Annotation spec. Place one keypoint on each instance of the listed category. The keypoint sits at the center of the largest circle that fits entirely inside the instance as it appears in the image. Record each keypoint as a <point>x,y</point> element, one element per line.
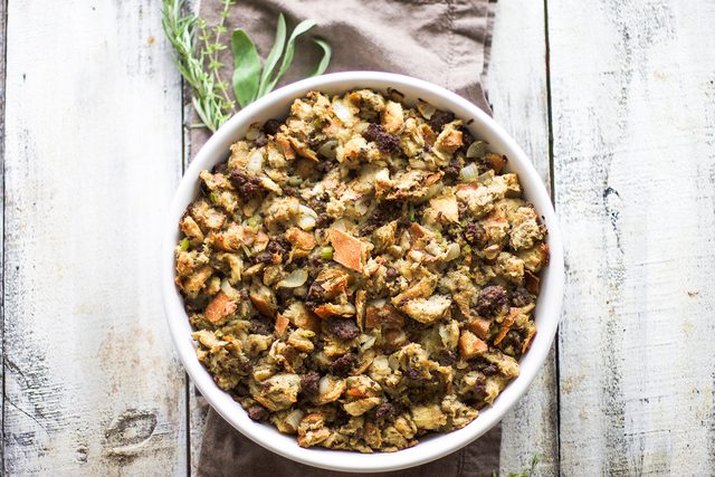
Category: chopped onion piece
<point>255,162</point>
<point>297,278</point>
<point>253,132</point>
<point>268,183</point>
<point>362,206</point>
<point>469,173</point>
<point>307,218</point>
<point>327,149</point>
<point>433,248</point>
<point>341,224</point>
<point>305,210</point>
<point>453,251</point>
<point>476,149</point>
<point>342,112</point>
<point>306,222</point>
<point>433,190</point>
<point>230,292</point>
<point>486,178</point>
<point>293,419</point>
<point>329,389</point>
<point>367,343</point>
<point>425,109</point>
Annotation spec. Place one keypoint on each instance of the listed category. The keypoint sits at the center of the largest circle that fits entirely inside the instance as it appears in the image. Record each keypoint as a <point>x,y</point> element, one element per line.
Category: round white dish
<point>547,313</point>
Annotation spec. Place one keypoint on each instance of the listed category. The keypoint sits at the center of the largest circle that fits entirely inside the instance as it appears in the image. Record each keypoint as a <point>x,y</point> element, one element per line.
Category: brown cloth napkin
<point>446,42</point>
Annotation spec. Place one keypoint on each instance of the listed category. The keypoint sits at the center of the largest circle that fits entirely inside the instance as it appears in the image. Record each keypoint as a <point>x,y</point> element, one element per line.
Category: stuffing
<point>220,308</point>
<point>277,392</point>
<point>348,250</point>
<point>361,273</point>
<point>427,310</point>
<point>207,217</point>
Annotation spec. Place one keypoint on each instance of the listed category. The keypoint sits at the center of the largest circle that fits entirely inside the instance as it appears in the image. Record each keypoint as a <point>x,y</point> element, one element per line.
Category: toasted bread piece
<point>349,251</point>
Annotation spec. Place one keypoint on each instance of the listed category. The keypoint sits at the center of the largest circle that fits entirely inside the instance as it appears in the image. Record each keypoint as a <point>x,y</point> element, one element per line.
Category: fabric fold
<point>443,41</point>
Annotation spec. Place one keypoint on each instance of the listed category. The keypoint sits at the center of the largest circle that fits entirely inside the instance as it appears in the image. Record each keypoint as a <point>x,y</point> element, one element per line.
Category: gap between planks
<point>3,62</point>
<point>552,190</point>
<point>518,89</point>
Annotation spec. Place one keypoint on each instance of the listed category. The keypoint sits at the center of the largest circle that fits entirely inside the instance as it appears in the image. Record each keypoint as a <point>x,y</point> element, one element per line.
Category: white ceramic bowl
<point>275,105</point>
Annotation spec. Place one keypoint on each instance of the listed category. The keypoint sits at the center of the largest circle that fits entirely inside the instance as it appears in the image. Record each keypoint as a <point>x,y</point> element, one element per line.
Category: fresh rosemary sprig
<point>197,49</point>
<point>210,48</point>
<point>180,29</point>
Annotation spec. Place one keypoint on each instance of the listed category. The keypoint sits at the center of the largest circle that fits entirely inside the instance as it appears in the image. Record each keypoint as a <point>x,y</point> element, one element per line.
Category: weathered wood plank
<point>3,36</point>
<point>517,90</point>
<point>634,152</point>
<point>197,405</point>
<point>198,410</point>
<point>93,150</point>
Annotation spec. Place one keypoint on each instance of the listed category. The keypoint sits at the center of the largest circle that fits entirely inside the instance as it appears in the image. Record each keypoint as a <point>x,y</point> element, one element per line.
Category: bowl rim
<point>547,313</point>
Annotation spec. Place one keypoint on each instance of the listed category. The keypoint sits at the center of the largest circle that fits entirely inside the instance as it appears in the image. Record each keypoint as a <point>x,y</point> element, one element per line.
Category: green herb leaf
<point>301,28</point>
<point>197,46</point>
<point>247,67</point>
<point>274,55</point>
<point>325,60</point>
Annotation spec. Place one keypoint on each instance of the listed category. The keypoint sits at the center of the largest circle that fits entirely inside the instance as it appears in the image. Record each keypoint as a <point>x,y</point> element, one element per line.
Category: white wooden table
<point>613,99</point>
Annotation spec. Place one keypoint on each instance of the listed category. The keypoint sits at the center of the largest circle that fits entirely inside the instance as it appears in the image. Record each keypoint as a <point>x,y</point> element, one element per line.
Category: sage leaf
<point>274,55</point>
<point>247,67</point>
<point>325,60</point>
<point>301,28</point>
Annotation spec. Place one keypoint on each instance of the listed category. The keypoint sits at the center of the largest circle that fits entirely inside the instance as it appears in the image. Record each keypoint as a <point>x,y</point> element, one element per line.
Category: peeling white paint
<point>93,151</point>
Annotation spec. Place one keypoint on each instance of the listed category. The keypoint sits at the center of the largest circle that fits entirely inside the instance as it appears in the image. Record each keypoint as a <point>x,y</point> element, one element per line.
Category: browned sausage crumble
<point>362,273</point>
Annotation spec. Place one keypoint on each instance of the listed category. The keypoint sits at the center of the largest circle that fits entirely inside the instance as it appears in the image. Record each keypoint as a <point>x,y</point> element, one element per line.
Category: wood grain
<point>93,150</point>
<point>517,85</point>
<point>633,84</point>
<point>197,406</point>
<point>198,410</point>
<point>3,24</point>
